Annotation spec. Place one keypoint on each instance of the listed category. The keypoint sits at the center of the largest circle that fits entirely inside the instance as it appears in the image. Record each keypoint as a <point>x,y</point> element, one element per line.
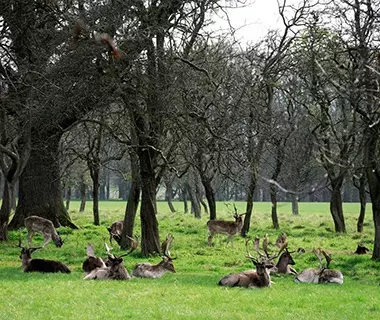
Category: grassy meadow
<point>192,292</point>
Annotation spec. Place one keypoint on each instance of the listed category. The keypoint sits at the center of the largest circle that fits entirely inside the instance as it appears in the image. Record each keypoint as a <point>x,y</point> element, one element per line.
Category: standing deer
<point>147,270</point>
<point>322,274</point>
<point>39,265</point>
<point>44,226</point>
<point>114,269</point>
<point>230,228</point>
<point>252,279</point>
<point>116,230</point>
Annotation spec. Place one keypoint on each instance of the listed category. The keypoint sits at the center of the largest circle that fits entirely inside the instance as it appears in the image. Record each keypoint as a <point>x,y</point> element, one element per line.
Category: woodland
<point>150,93</point>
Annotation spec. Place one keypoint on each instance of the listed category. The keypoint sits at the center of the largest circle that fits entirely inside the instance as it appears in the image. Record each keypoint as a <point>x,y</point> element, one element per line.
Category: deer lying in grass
<point>147,270</point>
<point>230,228</point>
<point>116,230</point>
<point>252,279</point>
<point>39,265</point>
<point>321,275</point>
<point>114,269</point>
<point>92,262</point>
<point>44,226</point>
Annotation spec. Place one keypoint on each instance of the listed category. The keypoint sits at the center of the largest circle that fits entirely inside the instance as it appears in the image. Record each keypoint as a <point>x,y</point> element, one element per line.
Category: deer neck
<point>264,278</point>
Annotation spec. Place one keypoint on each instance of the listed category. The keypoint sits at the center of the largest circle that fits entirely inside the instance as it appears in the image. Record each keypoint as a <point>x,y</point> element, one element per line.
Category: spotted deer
<point>148,270</point>
<point>44,226</point>
<point>252,279</point>
<point>321,274</point>
<point>229,228</point>
<point>39,265</point>
<point>114,269</point>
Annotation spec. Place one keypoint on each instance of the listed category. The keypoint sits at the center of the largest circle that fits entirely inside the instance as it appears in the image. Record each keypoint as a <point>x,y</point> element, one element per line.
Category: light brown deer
<point>44,226</point>
<point>252,279</point>
<point>229,228</point>
<point>321,274</point>
<point>147,270</point>
<point>116,230</point>
<point>114,269</point>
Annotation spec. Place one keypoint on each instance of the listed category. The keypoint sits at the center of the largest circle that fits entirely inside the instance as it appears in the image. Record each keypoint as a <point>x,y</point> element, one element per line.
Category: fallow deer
<point>229,228</point>
<point>284,262</point>
<point>92,262</point>
<point>39,265</point>
<point>252,279</point>
<point>114,269</point>
<point>321,274</point>
<point>147,270</point>
<point>44,226</point>
<point>115,231</point>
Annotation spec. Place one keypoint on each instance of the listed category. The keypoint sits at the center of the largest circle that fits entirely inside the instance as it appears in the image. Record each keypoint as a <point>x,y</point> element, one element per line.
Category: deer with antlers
<point>114,269</point>
<point>44,226</point>
<point>147,270</point>
<point>321,274</point>
<point>39,265</point>
<point>92,262</point>
<point>229,228</point>
<point>252,279</point>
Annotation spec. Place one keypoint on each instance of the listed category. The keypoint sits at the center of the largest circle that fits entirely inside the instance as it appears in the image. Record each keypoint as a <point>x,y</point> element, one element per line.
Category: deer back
<point>40,265</point>
<point>330,276</point>
<point>148,270</point>
<point>310,275</point>
<point>225,227</point>
<point>45,227</point>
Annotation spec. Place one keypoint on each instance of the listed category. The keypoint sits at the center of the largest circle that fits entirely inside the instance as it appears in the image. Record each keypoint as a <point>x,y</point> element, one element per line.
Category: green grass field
<point>192,292</point>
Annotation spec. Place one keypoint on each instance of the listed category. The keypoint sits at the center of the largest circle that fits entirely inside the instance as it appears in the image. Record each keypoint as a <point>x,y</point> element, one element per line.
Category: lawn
<point>192,292</point>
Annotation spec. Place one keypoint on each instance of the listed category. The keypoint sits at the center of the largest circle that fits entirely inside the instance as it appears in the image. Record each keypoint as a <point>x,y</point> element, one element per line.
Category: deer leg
<point>209,239</point>
<point>47,240</point>
<point>30,236</point>
<point>230,239</point>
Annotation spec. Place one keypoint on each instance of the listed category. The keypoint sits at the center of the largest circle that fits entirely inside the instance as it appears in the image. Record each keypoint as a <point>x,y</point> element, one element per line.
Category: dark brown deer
<point>321,274</point>
<point>44,226</point>
<point>148,270</point>
<point>114,269</point>
<point>92,262</point>
<point>229,228</point>
<point>284,262</point>
<point>116,230</point>
<point>252,279</point>
<point>39,265</point>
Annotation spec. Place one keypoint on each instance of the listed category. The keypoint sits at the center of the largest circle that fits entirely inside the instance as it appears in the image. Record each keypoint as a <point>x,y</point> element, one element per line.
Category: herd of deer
<point>113,268</point>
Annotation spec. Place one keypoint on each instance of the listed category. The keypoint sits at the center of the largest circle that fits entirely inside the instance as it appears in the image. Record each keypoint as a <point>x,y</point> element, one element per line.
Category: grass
<point>192,292</point>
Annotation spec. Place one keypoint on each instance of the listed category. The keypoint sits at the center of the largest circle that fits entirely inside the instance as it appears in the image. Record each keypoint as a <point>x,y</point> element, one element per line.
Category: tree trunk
<point>363,202</point>
<point>373,177</point>
<point>249,208</point>
<point>195,206</point>
<point>210,196</point>
<point>150,239</point>
<point>273,197</point>
<point>295,209</point>
<point>94,170</point>
<point>83,196</point>
<point>336,206</point>
<point>169,195</point>
<point>5,211</point>
<point>133,201</point>
<point>184,199</point>
<point>40,187</point>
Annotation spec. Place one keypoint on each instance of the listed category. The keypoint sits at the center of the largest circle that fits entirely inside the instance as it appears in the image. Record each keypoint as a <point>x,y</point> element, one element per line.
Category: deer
<point>321,274</point>
<point>148,270</point>
<point>252,279</point>
<point>44,226</point>
<point>115,231</point>
<point>92,262</point>
<point>39,265</point>
<point>114,269</point>
<point>230,228</point>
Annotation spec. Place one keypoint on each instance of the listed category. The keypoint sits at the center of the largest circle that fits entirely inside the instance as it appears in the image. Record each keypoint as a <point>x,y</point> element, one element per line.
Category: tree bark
<point>336,205</point>
<point>39,186</point>
<point>5,211</point>
<point>169,195</point>
<point>94,170</point>
<point>295,209</point>
<point>195,206</point>
<point>273,197</point>
<point>68,198</point>
<point>363,202</point>
<point>210,196</point>
<point>83,196</point>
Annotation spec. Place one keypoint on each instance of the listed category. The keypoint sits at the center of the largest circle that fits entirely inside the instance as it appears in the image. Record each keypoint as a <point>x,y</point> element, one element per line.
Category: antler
<point>166,245</point>
<point>262,256</point>
<point>317,253</point>
<point>327,257</point>
<point>90,250</point>
<point>265,244</point>
<point>134,245</point>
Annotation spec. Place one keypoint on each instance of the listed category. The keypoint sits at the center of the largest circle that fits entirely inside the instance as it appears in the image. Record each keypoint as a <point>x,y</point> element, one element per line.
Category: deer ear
<point>109,229</point>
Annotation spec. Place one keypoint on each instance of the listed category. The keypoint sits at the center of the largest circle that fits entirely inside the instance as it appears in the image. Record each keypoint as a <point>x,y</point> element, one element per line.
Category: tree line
<point>151,91</point>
